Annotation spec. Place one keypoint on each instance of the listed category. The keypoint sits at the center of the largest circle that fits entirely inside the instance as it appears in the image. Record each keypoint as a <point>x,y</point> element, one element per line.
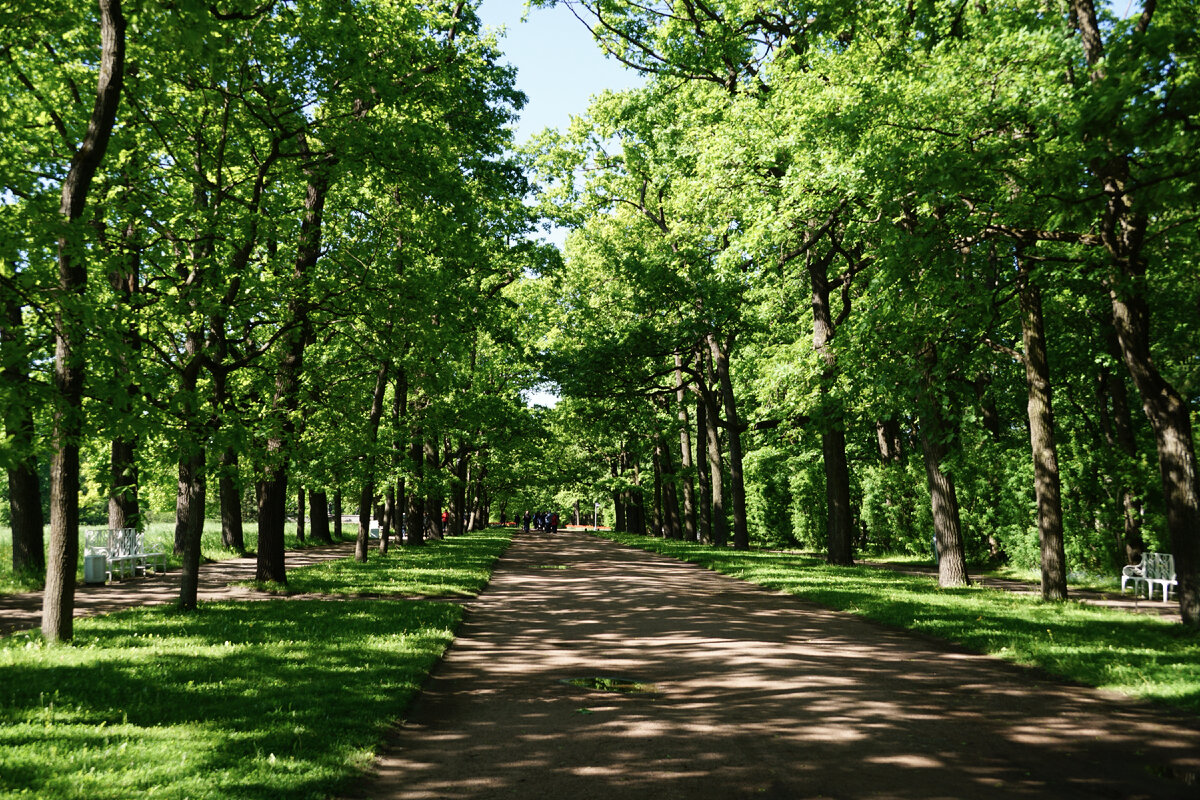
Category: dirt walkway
<point>744,693</point>
<point>24,611</point>
<point>1126,601</point>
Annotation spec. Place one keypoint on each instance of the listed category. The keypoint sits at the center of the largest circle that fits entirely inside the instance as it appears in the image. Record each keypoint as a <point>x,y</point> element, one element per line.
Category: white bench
<point>1155,569</point>
<point>123,550</point>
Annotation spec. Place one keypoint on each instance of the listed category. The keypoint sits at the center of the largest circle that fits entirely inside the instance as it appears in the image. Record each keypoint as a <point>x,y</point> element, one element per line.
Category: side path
<point>24,611</point>
<point>745,693</point>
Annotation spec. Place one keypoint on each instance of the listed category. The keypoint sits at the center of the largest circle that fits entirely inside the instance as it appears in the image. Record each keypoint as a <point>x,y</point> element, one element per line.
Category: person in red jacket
<point>554,522</point>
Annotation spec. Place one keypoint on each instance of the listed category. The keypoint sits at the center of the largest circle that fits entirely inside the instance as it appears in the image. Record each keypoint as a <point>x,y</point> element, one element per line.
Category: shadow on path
<point>746,693</point>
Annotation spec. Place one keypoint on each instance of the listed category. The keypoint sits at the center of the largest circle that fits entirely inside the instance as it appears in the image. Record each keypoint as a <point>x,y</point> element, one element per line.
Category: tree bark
<point>458,503</point>
<point>230,488</point>
<point>839,522</point>
<point>24,490</point>
<point>948,542</point>
<point>300,509</point>
<point>720,520</point>
<point>367,499</point>
<point>657,524</point>
<point>687,483</point>
<point>318,513</point>
<point>704,514</point>
<point>636,506</point>
<point>58,600</point>
<point>1123,227</point>
<point>1118,430</point>
<point>272,487</point>
<point>1047,484</point>
<point>189,516</point>
<point>433,498</point>
<point>720,354</point>
<point>337,514</point>
<point>414,525</point>
<point>123,510</point>
<point>672,523</point>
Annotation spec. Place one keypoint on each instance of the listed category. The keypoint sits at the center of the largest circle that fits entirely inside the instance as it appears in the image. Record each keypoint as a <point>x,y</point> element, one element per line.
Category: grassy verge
<point>160,537</point>
<point>280,699</point>
<point>1139,655</point>
<point>458,566</point>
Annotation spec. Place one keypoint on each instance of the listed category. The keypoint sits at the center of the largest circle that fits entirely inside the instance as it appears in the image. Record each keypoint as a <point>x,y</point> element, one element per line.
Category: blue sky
<point>559,68</point>
<point>558,65</point>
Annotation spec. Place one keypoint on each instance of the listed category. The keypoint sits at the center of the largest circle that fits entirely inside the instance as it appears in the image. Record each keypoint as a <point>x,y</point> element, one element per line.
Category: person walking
<point>526,520</point>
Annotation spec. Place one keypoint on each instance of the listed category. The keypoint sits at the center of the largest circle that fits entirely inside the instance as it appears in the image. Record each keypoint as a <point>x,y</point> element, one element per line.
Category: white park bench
<point>123,551</point>
<point>1155,569</point>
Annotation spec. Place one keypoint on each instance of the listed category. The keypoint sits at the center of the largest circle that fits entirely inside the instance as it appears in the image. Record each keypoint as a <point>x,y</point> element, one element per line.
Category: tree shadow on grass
<point>256,700</point>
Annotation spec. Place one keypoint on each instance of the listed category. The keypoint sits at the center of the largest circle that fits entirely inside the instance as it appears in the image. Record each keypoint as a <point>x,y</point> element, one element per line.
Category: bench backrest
<point>113,542</point>
<point>1159,566</point>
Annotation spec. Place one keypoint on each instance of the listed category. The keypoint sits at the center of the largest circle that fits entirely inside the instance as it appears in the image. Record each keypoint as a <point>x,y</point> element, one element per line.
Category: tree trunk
<point>189,522</point>
<point>337,514</point>
<point>1047,484</point>
<point>720,521</point>
<point>458,503</point>
<point>619,511</point>
<point>123,510</point>
<point>672,524</point>
<point>657,525</point>
<point>1123,227</point>
<point>24,491</point>
<point>273,484</point>
<point>433,498</point>
<point>318,513</point>
<point>301,504</point>
<point>948,543</point>
<point>415,524</point>
<point>685,457</point>
<point>230,488</point>
<point>704,514</point>
<point>887,435</point>
<point>1118,430</point>
<point>839,521</point>
<point>741,534</point>
<point>636,506</point>
<point>367,499</point>
<point>58,600</point>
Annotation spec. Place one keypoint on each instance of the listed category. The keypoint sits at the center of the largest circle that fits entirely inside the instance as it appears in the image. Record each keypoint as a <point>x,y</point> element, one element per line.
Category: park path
<point>746,693</point>
<point>20,612</point>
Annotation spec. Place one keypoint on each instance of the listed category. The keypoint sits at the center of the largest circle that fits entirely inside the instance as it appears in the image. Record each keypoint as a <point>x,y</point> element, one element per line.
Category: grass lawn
<point>160,537</point>
<point>284,698</point>
<point>1139,655</point>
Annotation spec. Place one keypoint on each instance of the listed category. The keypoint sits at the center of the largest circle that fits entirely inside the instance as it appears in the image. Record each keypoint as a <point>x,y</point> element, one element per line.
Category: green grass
<point>271,699</point>
<point>460,565</point>
<point>1139,655</point>
<point>160,537</point>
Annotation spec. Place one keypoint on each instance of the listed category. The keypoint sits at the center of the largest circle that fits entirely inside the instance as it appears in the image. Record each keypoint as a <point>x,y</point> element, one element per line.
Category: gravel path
<point>741,692</point>
<point>24,611</point>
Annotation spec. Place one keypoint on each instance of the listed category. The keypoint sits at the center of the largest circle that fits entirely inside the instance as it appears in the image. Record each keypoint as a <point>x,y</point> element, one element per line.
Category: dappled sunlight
<point>752,692</point>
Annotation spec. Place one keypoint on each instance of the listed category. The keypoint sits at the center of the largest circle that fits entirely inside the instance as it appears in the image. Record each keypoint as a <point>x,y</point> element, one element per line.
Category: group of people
<point>542,520</point>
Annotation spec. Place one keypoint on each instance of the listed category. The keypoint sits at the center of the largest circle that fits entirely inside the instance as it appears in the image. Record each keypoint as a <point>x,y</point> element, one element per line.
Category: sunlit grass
<point>1139,655</point>
<point>460,565</point>
<point>285,698</point>
<point>241,700</point>
<point>160,538</point>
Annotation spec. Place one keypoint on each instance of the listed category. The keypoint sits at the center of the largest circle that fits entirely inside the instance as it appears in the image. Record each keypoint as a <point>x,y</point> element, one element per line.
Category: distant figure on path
<point>554,522</point>
<point>526,519</point>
